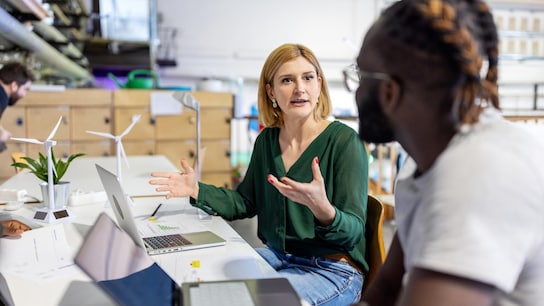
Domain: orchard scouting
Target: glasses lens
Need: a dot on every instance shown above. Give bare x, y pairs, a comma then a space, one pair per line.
351, 77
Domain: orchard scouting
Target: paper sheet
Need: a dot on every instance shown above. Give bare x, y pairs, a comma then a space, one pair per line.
39, 255
162, 103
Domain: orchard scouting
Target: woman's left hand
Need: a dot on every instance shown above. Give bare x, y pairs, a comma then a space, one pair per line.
310, 194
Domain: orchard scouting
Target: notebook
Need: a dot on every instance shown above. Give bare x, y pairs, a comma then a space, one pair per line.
124, 271
165, 243
246, 292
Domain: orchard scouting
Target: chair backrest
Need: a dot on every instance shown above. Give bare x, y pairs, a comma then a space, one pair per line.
17, 157
375, 248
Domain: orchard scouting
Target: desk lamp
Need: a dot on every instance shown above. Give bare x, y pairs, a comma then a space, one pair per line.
190, 102
48, 214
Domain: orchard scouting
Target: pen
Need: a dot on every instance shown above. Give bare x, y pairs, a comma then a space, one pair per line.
155, 211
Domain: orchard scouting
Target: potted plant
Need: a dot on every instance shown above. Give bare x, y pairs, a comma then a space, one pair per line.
39, 168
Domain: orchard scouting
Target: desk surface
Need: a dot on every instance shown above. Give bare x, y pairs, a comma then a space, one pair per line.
237, 259
83, 176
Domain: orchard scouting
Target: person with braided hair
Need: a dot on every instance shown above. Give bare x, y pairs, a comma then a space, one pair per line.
469, 200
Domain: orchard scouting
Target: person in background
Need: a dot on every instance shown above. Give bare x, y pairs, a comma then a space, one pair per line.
12, 228
15, 80
469, 201
306, 181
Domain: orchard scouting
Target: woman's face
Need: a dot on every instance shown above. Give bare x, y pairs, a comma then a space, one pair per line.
296, 88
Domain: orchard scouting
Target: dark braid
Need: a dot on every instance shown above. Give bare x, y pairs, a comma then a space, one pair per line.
490, 41
458, 30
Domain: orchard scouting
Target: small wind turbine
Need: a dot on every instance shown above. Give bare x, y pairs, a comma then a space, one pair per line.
119, 145
48, 214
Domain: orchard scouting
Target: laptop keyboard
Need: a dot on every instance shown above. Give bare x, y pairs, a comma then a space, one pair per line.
225, 294
166, 241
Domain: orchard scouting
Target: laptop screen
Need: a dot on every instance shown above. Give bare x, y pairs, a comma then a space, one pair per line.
123, 269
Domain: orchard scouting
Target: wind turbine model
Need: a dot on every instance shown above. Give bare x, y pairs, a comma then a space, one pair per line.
48, 214
119, 145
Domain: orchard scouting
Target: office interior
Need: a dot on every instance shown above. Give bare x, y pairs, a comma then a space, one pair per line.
99, 63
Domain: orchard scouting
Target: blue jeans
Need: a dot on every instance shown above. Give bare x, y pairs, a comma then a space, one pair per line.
317, 280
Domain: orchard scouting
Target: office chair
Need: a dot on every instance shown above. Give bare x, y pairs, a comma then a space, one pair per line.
375, 247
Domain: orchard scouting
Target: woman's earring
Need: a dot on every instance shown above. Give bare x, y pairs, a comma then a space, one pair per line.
274, 104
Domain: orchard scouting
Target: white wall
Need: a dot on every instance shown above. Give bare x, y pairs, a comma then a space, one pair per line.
232, 38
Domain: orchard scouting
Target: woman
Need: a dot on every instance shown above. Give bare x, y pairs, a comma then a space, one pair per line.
306, 182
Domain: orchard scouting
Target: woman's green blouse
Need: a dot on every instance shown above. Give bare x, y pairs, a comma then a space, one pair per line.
291, 227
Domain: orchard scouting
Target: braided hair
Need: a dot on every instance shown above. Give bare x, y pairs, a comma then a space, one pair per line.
458, 32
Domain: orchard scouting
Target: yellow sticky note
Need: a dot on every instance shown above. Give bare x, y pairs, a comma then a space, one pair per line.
195, 263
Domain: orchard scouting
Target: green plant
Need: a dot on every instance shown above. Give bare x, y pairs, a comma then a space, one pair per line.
39, 166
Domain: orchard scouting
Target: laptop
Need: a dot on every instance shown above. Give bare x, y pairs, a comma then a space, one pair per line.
126, 273
162, 243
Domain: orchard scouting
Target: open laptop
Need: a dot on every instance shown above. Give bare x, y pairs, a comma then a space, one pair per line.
164, 243
129, 276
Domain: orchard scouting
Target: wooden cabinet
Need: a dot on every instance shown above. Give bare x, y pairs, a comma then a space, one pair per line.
107, 111
174, 135
35, 116
14, 120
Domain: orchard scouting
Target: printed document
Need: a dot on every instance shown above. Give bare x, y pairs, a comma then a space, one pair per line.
40, 254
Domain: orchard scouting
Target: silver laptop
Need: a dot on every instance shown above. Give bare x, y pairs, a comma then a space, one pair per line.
124, 271
164, 243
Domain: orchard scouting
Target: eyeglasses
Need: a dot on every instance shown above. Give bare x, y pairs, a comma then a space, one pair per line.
353, 76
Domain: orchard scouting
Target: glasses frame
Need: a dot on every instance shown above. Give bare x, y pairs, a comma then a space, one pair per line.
352, 69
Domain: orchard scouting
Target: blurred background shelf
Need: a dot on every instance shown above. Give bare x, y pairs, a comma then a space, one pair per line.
28, 34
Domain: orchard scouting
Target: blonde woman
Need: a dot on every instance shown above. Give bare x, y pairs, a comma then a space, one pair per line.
306, 182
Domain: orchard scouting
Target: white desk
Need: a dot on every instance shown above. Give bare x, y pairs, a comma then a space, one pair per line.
236, 259
82, 175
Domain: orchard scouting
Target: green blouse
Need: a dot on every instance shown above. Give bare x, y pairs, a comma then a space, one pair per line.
291, 227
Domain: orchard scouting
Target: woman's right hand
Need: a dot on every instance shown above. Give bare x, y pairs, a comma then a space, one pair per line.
177, 184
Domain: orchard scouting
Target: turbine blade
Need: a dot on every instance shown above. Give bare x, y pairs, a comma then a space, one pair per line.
55, 171
135, 119
55, 129
123, 154
48, 148
31, 140
101, 134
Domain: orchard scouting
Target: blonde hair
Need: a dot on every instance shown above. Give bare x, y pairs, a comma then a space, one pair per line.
273, 117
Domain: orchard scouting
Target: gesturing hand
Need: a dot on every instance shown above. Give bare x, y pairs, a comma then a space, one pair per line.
310, 194
13, 227
4, 134
177, 184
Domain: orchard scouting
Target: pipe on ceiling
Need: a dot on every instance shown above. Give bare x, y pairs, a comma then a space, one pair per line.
12, 30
